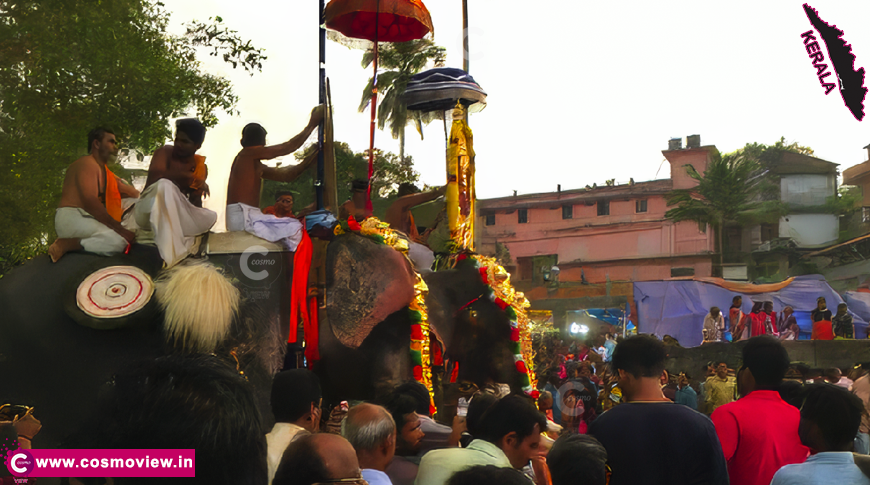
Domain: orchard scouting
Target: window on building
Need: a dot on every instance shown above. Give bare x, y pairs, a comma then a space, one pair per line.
567, 212
603, 207
490, 220
524, 268
523, 216
640, 206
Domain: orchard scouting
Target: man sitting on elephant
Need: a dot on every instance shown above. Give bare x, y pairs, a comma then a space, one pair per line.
89, 214
166, 213
247, 173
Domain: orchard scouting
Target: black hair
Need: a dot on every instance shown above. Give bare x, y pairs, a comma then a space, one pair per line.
419, 393
192, 128
479, 405
488, 475
183, 402
577, 458
282, 193
835, 410
715, 309
359, 185
512, 414
737, 297
640, 356
757, 306
97, 134
301, 464
400, 405
407, 188
833, 374
791, 392
253, 134
767, 359
768, 304
293, 392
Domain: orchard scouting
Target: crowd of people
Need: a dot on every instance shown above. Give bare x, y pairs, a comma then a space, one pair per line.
626, 422
762, 320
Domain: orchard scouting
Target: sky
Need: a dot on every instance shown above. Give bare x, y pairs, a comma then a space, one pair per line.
578, 92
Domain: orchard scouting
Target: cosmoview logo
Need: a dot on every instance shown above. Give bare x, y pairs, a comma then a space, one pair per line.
20, 463
245, 263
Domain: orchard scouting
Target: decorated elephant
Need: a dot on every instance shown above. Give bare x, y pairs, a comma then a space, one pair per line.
233, 303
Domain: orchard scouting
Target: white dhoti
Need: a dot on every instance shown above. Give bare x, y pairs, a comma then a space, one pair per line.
421, 256
165, 215
287, 230
95, 237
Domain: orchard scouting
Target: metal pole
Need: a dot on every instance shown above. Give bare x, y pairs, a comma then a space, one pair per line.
465, 60
318, 183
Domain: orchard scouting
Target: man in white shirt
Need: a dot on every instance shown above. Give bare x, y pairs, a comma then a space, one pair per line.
372, 432
296, 399
830, 417
509, 438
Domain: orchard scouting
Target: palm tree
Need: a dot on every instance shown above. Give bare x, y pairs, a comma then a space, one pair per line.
732, 189
402, 60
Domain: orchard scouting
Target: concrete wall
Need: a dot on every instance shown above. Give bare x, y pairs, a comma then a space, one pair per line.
817, 354
807, 189
810, 229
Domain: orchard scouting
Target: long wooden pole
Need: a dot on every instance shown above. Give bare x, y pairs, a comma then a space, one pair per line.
374, 112
318, 184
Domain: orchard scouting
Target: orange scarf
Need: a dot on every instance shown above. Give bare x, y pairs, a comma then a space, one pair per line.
200, 173
113, 196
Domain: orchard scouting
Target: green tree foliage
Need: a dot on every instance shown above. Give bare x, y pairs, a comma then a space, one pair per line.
390, 171
67, 66
401, 61
728, 191
735, 188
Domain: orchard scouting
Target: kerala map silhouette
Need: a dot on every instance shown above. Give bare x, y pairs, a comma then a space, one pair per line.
842, 60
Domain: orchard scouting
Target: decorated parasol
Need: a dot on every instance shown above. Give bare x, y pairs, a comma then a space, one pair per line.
378, 21
441, 88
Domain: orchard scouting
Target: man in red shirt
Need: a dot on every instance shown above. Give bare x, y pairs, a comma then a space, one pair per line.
759, 432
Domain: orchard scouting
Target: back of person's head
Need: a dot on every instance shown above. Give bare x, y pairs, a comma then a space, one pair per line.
359, 185
97, 135
511, 414
479, 405
419, 393
193, 128
293, 392
399, 406
577, 459
407, 188
836, 411
253, 134
368, 426
791, 392
736, 299
488, 475
768, 306
833, 375
640, 356
185, 402
302, 463
767, 359
714, 310
757, 306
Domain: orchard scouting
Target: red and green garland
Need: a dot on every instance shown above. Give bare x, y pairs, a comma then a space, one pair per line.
514, 304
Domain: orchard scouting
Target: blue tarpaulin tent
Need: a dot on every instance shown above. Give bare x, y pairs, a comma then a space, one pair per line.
677, 308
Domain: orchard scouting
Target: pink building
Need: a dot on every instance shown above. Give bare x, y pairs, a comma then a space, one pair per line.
595, 235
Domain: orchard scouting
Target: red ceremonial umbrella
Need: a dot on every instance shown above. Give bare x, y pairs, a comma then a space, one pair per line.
378, 21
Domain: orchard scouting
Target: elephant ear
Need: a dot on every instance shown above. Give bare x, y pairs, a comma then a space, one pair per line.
366, 282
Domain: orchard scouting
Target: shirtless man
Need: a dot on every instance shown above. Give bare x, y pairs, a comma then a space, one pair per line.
247, 172
356, 205
399, 216
83, 220
165, 212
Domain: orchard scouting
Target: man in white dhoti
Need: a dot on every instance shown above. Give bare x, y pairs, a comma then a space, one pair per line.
89, 214
164, 214
246, 175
